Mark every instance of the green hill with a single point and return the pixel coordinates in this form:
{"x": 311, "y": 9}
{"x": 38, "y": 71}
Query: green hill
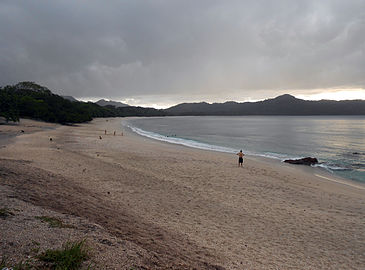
{"x": 30, "y": 100}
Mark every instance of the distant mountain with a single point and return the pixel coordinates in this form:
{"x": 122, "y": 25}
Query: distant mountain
{"x": 281, "y": 105}
{"x": 70, "y": 98}
{"x": 116, "y": 104}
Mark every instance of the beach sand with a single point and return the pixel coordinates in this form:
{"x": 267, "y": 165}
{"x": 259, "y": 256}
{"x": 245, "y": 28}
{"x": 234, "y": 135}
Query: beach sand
{"x": 145, "y": 204}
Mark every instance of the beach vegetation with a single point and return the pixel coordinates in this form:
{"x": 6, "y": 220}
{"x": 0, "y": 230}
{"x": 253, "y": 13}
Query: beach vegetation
{"x": 8, "y": 105}
{"x": 5, "y": 212}
{"x": 70, "y": 257}
{"x": 53, "y": 222}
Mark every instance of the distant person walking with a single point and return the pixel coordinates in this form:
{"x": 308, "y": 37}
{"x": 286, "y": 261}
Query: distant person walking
{"x": 240, "y": 158}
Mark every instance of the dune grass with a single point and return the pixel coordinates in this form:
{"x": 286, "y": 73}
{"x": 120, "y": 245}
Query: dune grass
{"x": 70, "y": 257}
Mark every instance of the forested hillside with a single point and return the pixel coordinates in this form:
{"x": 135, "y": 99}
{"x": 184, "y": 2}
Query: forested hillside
{"x": 30, "y": 100}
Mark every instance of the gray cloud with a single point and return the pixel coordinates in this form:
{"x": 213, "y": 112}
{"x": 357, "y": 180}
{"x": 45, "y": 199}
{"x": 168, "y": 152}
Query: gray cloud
{"x": 183, "y": 49}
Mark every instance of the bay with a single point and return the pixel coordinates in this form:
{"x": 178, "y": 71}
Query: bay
{"x": 337, "y": 141}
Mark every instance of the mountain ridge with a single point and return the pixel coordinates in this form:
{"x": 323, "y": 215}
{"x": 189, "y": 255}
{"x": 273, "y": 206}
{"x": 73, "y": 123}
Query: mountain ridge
{"x": 117, "y": 104}
{"x": 70, "y": 98}
{"x": 281, "y": 105}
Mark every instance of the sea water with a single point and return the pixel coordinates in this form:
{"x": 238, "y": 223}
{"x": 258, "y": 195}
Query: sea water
{"x": 338, "y": 142}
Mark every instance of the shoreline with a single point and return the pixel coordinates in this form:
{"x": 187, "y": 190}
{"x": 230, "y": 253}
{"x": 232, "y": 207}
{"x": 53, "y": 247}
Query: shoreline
{"x": 142, "y": 203}
{"x": 320, "y": 172}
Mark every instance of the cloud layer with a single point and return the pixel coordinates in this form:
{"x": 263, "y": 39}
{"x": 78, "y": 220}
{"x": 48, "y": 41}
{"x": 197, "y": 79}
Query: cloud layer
{"x": 183, "y": 49}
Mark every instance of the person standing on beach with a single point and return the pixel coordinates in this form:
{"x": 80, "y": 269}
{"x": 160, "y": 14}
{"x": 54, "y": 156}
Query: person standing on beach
{"x": 240, "y": 158}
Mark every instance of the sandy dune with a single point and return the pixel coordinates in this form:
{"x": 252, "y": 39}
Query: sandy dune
{"x": 150, "y": 205}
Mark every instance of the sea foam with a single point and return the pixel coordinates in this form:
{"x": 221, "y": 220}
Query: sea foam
{"x": 181, "y": 141}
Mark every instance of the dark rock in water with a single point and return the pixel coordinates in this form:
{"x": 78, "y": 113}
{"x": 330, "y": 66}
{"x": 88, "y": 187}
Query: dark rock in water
{"x": 357, "y": 153}
{"x": 303, "y": 161}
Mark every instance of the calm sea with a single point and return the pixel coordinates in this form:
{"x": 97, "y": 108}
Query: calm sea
{"x": 337, "y": 141}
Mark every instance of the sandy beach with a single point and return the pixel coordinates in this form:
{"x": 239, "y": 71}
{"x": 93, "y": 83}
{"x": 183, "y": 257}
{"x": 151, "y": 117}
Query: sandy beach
{"x": 145, "y": 204}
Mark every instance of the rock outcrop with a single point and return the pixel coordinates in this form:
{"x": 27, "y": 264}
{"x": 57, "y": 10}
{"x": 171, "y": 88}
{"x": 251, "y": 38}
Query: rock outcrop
{"x": 303, "y": 161}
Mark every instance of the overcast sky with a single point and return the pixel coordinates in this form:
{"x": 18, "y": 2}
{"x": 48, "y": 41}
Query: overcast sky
{"x": 165, "y": 52}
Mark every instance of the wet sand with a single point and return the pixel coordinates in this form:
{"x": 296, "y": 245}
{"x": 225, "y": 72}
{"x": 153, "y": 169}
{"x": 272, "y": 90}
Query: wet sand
{"x": 151, "y": 205}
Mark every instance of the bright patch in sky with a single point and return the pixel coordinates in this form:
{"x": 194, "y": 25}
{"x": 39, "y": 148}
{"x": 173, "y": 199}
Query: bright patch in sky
{"x": 336, "y": 95}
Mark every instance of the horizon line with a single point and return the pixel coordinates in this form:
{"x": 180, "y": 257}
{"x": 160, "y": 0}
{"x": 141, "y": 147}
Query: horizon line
{"x": 155, "y": 106}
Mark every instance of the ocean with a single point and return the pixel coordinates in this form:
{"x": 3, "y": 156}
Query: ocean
{"x": 338, "y": 142}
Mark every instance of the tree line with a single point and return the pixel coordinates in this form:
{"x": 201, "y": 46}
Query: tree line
{"x": 30, "y": 100}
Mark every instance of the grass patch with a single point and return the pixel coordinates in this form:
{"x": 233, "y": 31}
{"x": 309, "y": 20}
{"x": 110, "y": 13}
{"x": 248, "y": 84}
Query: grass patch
{"x": 69, "y": 258}
{"x": 5, "y": 212}
{"x": 54, "y": 222}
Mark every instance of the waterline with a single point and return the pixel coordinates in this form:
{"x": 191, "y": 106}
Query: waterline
{"x": 337, "y": 142}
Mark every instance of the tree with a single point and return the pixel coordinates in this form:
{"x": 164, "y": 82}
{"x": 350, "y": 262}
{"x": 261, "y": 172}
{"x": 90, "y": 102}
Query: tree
{"x": 8, "y": 105}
